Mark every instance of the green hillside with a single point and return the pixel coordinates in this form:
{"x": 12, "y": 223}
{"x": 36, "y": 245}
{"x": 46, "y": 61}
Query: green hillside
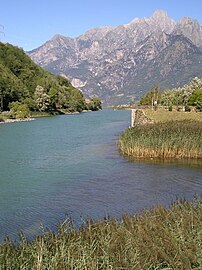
{"x": 28, "y": 87}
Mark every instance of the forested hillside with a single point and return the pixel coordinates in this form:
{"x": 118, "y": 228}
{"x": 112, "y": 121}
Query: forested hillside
{"x": 25, "y": 84}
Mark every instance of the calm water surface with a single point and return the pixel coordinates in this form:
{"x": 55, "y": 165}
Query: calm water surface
{"x": 70, "y": 166}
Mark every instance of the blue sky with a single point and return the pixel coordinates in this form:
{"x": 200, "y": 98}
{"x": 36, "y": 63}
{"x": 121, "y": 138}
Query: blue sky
{"x": 30, "y": 23}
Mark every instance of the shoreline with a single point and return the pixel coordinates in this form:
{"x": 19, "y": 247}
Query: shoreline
{"x": 34, "y": 116}
{"x": 7, "y": 121}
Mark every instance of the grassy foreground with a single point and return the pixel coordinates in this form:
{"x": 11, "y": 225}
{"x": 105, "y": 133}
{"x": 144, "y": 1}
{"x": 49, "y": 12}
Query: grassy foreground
{"x": 171, "y": 139}
{"x": 163, "y": 238}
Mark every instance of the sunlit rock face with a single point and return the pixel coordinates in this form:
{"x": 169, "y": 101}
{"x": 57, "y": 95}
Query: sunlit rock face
{"x": 120, "y": 64}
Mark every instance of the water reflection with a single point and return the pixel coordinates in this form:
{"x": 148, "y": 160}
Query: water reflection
{"x": 193, "y": 163}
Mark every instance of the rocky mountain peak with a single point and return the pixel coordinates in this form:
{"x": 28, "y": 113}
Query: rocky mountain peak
{"x": 57, "y": 36}
{"x": 97, "y": 32}
{"x": 59, "y": 40}
{"x": 159, "y": 14}
{"x": 134, "y": 21}
{"x": 160, "y": 19}
{"x": 188, "y": 20}
{"x": 124, "y": 61}
{"x": 191, "y": 29}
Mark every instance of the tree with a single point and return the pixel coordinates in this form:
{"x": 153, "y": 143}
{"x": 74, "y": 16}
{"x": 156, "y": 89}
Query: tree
{"x": 181, "y": 95}
{"x": 54, "y": 97}
{"x": 42, "y": 99}
{"x": 151, "y": 98}
{"x": 76, "y": 101}
{"x": 196, "y": 99}
{"x": 95, "y": 104}
{"x": 2, "y": 93}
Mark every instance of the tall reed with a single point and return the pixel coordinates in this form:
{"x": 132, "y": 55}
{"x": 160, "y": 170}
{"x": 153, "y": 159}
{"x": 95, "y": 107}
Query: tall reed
{"x": 172, "y": 139}
{"x": 163, "y": 238}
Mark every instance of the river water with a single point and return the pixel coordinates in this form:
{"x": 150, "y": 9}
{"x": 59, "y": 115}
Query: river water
{"x": 69, "y": 166}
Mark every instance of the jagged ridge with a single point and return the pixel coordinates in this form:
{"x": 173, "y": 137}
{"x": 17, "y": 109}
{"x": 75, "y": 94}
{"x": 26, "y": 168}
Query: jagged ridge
{"x": 121, "y": 63}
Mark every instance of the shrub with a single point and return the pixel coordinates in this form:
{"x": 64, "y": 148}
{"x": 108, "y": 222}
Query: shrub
{"x": 187, "y": 108}
{"x": 19, "y": 110}
{"x": 196, "y": 99}
{"x": 170, "y": 108}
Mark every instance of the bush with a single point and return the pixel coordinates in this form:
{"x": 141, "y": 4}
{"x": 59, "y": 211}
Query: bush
{"x": 196, "y": 99}
{"x": 19, "y": 110}
{"x": 170, "y": 108}
{"x": 199, "y": 104}
{"x": 187, "y": 108}
{"x": 95, "y": 104}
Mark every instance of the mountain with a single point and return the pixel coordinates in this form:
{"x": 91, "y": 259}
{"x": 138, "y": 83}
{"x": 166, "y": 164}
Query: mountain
{"x": 122, "y": 63}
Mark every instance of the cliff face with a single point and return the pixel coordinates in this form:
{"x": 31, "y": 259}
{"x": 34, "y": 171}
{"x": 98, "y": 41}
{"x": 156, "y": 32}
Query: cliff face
{"x": 121, "y": 63}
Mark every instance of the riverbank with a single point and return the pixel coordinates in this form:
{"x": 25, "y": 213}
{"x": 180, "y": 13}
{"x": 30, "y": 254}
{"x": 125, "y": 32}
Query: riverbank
{"x": 163, "y": 238}
{"x": 4, "y": 119}
{"x": 16, "y": 120}
{"x": 171, "y": 139}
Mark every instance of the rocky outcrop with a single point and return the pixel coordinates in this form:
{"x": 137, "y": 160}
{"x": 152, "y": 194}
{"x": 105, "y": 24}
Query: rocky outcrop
{"x": 121, "y": 63}
{"x": 191, "y": 29}
{"x": 138, "y": 117}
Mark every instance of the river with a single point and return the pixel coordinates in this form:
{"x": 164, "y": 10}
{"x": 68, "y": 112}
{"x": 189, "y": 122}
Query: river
{"x": 69, "y": 166}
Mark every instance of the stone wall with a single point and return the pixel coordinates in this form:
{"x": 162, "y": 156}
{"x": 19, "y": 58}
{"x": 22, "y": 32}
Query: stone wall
{"x": 138, "y": 117}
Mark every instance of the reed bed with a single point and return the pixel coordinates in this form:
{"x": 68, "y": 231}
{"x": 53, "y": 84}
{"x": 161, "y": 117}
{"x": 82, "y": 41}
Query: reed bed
{"x": 163, "y": 238}
{"x": 171, "y": 140}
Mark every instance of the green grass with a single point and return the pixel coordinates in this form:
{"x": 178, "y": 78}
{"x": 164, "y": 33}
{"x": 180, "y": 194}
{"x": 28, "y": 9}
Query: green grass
{"x": 163, "y": 238}
{"x": 162, "y": 115}
{"x": 171, "y": 140}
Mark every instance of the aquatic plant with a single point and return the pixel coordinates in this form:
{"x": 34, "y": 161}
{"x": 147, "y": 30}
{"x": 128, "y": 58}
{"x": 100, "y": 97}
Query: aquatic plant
{"x": 172, "y": 139}
{"x": 163, "y": 238}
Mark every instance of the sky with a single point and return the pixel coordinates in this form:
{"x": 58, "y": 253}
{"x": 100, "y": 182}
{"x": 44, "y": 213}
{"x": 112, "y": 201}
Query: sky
{"x": 30, "y": 23}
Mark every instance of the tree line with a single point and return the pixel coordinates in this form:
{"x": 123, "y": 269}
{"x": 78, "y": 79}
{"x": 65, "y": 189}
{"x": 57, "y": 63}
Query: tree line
{"x": 188, "y": 95}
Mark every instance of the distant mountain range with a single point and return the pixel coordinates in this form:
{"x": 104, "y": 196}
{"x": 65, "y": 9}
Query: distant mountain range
{"x": 121, "y": 63}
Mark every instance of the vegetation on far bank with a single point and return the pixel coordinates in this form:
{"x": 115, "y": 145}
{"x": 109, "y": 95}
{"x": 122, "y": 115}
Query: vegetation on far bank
{"x": 26, "y": 87}
{"x": 172, "y": 139}
{"x": 182, "y": 97}
{"x": 163, "y": 238}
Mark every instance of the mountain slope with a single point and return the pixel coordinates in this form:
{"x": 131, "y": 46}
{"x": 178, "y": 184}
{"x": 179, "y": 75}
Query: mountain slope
{"x": 174, "y": 66}
{"x": 120, "y": 63}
